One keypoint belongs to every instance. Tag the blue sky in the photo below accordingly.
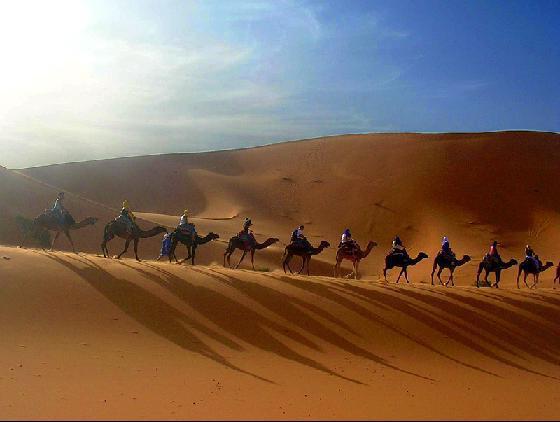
(96, 79)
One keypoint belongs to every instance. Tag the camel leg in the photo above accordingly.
(193, 254)
(534, 281)
(67, 233)
(106, 238)
(242, 257)
(54, 240)
(337, 267)
(486, 278)
(286, 262)
(302, 264)
(125, 248)
(136, 241)
(496, 284)
(451, 278)
(439, 276)
(434, 270)
(525, 274)
(518, 275)
(26, 235)
(478, 276)
(406, 275)
(308, 260)
(356, 266)
(172, 255)
(229, 260)
(401, 273)
(385, 273)
(253, 259)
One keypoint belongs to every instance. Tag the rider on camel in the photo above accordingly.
(531, 257)
(446, 249)
(245, 235)
(128, 217)
(347, 241)
(398, 248)
(58, 208)
(299, 239)
(184, 226)
(493, 255)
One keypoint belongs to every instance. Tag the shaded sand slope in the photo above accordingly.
(22, 195)
(91, 338)
(472, 187)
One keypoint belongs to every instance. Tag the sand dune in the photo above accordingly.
(92, 338)
(88, 337)
(471, 187)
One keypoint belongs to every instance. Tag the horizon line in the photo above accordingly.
(155, 154)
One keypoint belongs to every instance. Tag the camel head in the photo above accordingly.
(324, 244)
(466, 258)
(422, 255)
(549, 264)
(213, 236)
(512, 262)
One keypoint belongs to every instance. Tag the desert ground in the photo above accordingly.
(94, 338)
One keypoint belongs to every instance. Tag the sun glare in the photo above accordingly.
(37, 39)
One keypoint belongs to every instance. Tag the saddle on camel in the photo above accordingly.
(298, 241)
(348, 246)
(185, 228)
(246, 236)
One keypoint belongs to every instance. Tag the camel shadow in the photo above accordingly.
(480, 328)
(532, 341)
(457, 331)
(151, 311)
(338, 295)
(287, 307)
(237, 319)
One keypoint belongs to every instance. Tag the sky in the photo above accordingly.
(82, 80)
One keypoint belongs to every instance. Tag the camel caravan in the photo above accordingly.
(58, 220)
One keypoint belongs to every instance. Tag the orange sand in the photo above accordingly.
(88, 337)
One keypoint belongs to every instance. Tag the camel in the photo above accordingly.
(355, 256)
(403, 261)
(444, 262)
(491, 267)
(528, 267)
(236, 243)
(187, 240)
(48, 221)
(557, 277)
(305, 254)
(118, 228)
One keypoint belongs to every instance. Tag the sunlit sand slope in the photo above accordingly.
(85, 337)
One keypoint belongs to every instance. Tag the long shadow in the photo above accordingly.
(542, 297)
(151, 311)
(428, 319)
(326, 292)
(313, 308)
(543, 311)
(237, 319)
(283, 305)
(484, 324)
(534, 335)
